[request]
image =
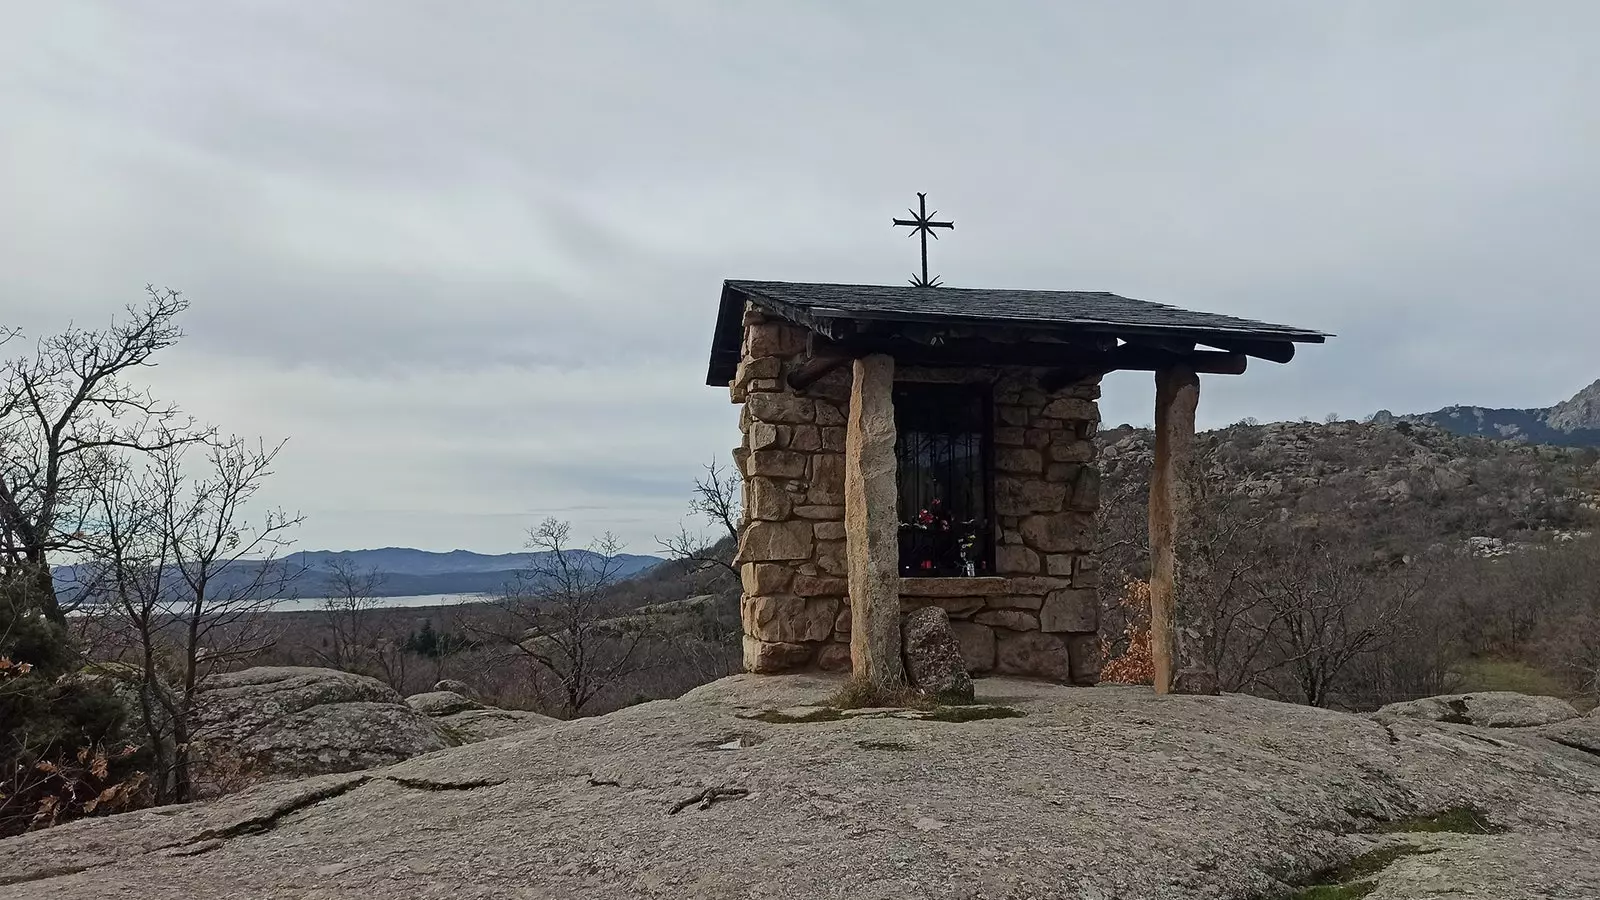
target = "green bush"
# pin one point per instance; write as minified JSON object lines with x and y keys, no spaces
{"x":64,"y":751}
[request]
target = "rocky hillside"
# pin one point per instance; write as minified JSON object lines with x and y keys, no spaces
{"x":1393,"y":477}
{"x":1110,"y":792}
{"x":1574,"y":422}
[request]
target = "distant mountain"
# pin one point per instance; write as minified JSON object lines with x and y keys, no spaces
{"x":1571,"y":423}
{"x":405,"y":572}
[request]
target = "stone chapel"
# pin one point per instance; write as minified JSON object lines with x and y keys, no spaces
{"x":908,"y":446}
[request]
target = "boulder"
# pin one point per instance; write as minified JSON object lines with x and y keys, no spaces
{"x":454,"y":686}
{"x":464,"y":720}
{"x":295,"y":721}
{"x":933,"y":658}
{"x":441,"y":703}
{"x":472,"y":725}
{"x":1487,"y":709}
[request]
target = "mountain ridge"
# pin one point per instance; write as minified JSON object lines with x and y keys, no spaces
{"x":1574,"y":422}
{"x":400,"y":571}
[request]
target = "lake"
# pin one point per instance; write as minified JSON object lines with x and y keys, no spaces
{"x":313,"y":603}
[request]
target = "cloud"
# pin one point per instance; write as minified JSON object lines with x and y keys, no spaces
{"x":467,"y":258}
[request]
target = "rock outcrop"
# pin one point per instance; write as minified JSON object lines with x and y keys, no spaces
{"x":1091,"y":793}
{"x":292,"y":721}
{"x":1487,"y":709}
{"x":465,"y":720}
{"x":437,"y":703}
{"x":933,"y":658}
{"x":1579,"y":413}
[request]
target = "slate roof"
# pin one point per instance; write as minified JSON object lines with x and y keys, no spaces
{"x":1095,"y":312}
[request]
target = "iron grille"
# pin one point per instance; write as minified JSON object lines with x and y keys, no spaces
{"x":942,"y":451}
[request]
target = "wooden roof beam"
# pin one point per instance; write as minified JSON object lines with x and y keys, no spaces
{"x":1140,"y":359}
{"x":1271,"y":351}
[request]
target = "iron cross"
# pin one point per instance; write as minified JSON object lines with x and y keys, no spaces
{"x":922,"y":224}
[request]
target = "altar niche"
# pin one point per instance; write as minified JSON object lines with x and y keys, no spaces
{"x":915,"y":446}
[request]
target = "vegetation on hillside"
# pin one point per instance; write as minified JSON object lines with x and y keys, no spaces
{"x":1356,"y":564}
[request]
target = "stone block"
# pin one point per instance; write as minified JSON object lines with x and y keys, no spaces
{"x":831,"y":558}
{"x":1018,"y":461}
{"x":1020,"y":496}
{"x":1086,"y":489}
{"x":1068,"y":532}
{"x":785,"y":619}
{"x":1037,"y":438}
{"x":781,"y":408}
{"x":1008,"y":436}
{"x":1009,"y":619}
{"x":830,"y":531}
{"x":805,"y":438}
{"x":1012,"y":415}
{"x":764,"y":578}
{"x":954,"y":607}
{"x":753,"y":367}
{"x":834,"y":388}
{"x":771,"y":541}
{"x":832,"y":437}
{"x":1014,"y":601}
{"x":830,"y":414}
{"x":1060,"y":564}
{"x":977,"y":645}
{"x":819,"y":586}
{"x":778,"y":464}
{"x":768,"y":658}
{"x":827,"y":479}
{"x":1085,"y":654}
{"x":1015,"y":559}
{"x":773,"y":339}
{"x":834,"y":657}
{"x":764,"y":436}
{"x":1033,"y":654}
{"x":1038,"y":584}
{"x":952,"y":587}
{"x":768,"y":501}
{"x":1086,"y":572}
{"x":1067,"y":451}
{"x":1070,"y":610}
{"x":825,"y":512}
{"x":1063,"y":473}
{"x":1072,"y":408}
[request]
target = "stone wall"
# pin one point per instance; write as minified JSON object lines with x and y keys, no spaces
{"x":1036,"y":616}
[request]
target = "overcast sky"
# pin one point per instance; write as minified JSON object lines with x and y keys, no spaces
{"x":466,"y":256}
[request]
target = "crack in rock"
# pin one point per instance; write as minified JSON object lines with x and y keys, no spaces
{"x":44,"y":874}
{"x":1574,"y":745}
{"x":265,"y":822}
{"x":427,"y":784}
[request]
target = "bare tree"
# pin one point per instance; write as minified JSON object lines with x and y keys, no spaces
{"x":559,"y":619}
{"x":716,"y":499}
{"x":1323,"y":605}
{"x":58,"y":410}
{"x":353,"y":592}
{"x":189,"y":575}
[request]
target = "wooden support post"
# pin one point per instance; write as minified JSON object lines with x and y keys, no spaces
{"x":1179,"y":644}
{"x":871,"y":525}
